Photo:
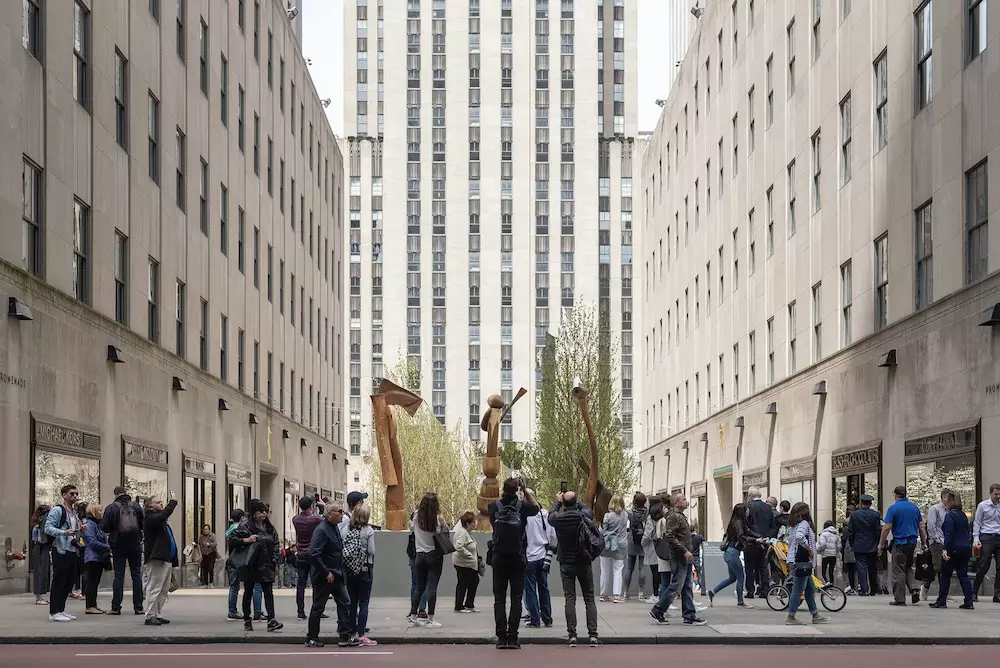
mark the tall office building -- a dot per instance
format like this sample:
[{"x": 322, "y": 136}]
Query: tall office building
[
  {"x": 173, "y": 289},
  {"x": 490, "y": 155}
]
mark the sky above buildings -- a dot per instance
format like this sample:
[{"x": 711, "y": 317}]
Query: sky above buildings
[{"x": 323, "y": 27}]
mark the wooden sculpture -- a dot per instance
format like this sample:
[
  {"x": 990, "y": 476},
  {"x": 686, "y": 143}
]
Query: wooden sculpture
[
  {"x": 489, "y": 490},
  {"x": 390, "y": 457},
  {"x": 597, "y": 497}
]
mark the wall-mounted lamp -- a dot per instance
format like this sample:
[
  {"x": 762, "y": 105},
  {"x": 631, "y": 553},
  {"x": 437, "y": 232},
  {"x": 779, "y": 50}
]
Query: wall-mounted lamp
[
  {"x": 992, "y": 316},
  {"x": 253, "y": 419},
  {"x": 115, "y": 355},
  {"x": 320, "y": 449},
  {"x": 652, "y": 459},
  {"x": 820, "y": 387},
  {"x": 772, "y": 409},
  {"x": 888, "y": 359},
  {"x": 178, "y": 385},
  {"x": 660, "y": 103},
  {"x": 704, "y": 437},
  {"x": 740, "y": 423},
  {"x": 684, "y": 445},
  {"x": 285, "y": 434},
  {"x": 18, "y": 310},
  {"x": 326, "y": 102},
  {"x": 223, "y": 405},
  {"x": 302, "y": 442},
  {"x": 697, "y": 11},
  {"x": 335, "y": 456}
]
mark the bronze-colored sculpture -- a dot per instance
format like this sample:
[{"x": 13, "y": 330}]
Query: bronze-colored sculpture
[
  {"x": 489, "y": 490},
  {"x": 598, "y": 497},
  {"x": 390, "y": 457}
]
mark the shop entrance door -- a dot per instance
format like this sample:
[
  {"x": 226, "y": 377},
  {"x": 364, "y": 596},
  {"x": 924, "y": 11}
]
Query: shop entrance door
[{"x": 847, "y": 491}]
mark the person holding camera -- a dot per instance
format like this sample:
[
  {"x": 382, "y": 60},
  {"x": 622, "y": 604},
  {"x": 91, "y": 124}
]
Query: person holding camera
[
  {"x": 509, "y": 518},
  {"x": 567, "y": 518}
]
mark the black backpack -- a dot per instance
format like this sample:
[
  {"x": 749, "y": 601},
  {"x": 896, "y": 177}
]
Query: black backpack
[
  {"x": 590, "y": 542},
  {"x": 508, "y": 530},
  {"x": 636, "y": 528}
]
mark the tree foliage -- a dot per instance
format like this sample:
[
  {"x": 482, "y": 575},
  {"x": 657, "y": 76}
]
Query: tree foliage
[
  {"x": 583, "y": 347},
  {"x": 435, "y": 459}
]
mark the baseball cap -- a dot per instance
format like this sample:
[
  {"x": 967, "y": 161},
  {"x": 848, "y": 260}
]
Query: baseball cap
[{"x": 355, "y": 497}]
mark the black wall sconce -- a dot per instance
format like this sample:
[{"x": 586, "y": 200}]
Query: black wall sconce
[
  {"x": 253, "y": 419},
  {"x": 302, "y": 442},
  {"x": 284, "y": 434},
  {"x": 319, "y": 449},
  {"x": 820, "y": 387},
  {"x": 115, "y": 355},
  {"x": 740, "y": 423},
  {"x": 992, "y": 316},
  {"x": 888, "y": 359},
  {"x": 704, "y": 437},
  {"x": 772, "y": 409},
  {"x": 178, "y": 385},
  {"x": 18, "y": 310},
  {"x": 223, "y": 405}
]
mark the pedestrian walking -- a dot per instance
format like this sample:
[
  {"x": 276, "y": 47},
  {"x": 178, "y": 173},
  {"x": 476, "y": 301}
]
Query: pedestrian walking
[
  {"x": 906, "y": 523},
  {"x": 41, "y": 554},
  {"x": 209, "y": 546},
  {"x": 956, "y": 551},
  {"x": 863, "y": 534},
  {"x": 935, "y": 539},
  {"x": 537, "y": 598},
  {"x": 738, "y": 535},
  {"x": 762, "y": 519},
  {"x": 635, "y": 556},
  {"x": 466, "y": 561},
  {"x": 614, "y": 528},
  {"x": 97, "y": 556},
  {"x": 159, "y": 551},
  {"x": 427, "y": 523},
  {"x": 359, "y": 566},
  {"x": 986, "y": 541},
  {"x": 122, "y": 521},
  {"x": 657, "y": 583},
  {"x": 233, "y": 575},
  {"x": 568, "y": 517},
  {"x": 509, "y": 518},
  {"x": 326, "y": 553},
  {"x": 255, "y": 542},
  {"x": 828, "y": 547},
  {"x": 305, "y": 524},
  {"x": 62, "y": 524},
  {"x": 800, "y": 559},
  {"x": 847, "y": 559},
  {"x": 675, "y": 532}
]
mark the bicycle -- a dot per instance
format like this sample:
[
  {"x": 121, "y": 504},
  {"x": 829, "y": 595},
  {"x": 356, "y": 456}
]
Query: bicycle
[{"x": 831, "y": 596}]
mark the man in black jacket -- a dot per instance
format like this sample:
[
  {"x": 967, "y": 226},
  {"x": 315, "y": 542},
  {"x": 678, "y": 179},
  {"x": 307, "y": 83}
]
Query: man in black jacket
[
  {"x": 159, "y": 551},
  {"x": 326, "y": 552},
  {"x": 509, "y": 560},
  {"x": 761, "y": 519},
  {"x": 566, "y": 517},
  {"x": 863, "y": 531},
  {"x": 126, "y": 547}
]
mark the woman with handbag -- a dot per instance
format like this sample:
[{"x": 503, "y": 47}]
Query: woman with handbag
[
  {"x": 800, "y": 560},
  {"x": 467, "y": 562},
  {"x": 428, "y": 528},
  {"x": 738, "y": 534},
  {"x": 208, "y": 544},
  {"x": 255, "y": 554},
  {"x": 615, "y": 531},
  {"x": 97, "y": 556}
]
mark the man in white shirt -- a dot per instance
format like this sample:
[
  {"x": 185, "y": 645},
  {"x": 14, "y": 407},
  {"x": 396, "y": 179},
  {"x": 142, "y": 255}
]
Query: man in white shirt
[
  {"x": 986, "y": 537},
  {"x": 935, "y": 538},
  {"x": 538, "y": 601}
]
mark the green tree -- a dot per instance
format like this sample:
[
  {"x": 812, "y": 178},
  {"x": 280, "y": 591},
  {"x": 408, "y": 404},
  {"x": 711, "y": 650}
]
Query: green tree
[
  {"x": 435, "y": 459},
  {"x": 582, "y": 347}
]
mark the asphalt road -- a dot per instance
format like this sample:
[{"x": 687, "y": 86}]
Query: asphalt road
[{"x": 445, "y": 656}]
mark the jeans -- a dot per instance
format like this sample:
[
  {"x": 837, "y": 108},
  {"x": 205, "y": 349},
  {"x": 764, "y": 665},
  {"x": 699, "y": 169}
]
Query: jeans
[
  {"x": 632, "y": 562},
  {"x": 583, "y": 574},
  {"x": 465, "y": 590},
  {"x": 903, "y": 581},
  {"x": 428, "y": 568},
  {"x": 867, "y": 573},
  {"x": 63, "y": 573},
  {"x": 302, "y": 566},
  {"x": 508, "y": 572},
  {"x": 537, "y": 598},
  {"x": 95, "y": 569},
  {"x": 250, "y": 587},
  {"x": 958, "y": 562},
  {"x": 132, "y": 555},
  {"x": 43, "y": 570},
  {"x": 802, "y": 584},
  {"x": 611, "y": 575},
  {"x": 322, "y": 592},
  {"x": 234, "y": 592},
  {"x": 681, "y": 574},
  {"x": 422, "y": 606},
  {"x": 359, "y": 588},
  {"x": 736, "y": 574},
  {"x": 990, "y": 553}
]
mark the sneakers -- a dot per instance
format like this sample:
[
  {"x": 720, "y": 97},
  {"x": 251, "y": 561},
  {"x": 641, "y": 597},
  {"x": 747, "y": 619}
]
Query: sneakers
[
  {"x": 432, "y": 624},
  {"x": 697, "y": 621},
  {"x": 463, "y": 611},
  {"x": 258, "y": 616},
  {"x": 59, "y": 617},
  {"x": 711, "y": 599},
  {"x": 820, "y": 619},
  {"x": 937, "y": 606},
  {"x": 416, "y": 621},
  {"x": 532, "y": 625},
  {"x": 233, "y": 617},
  {"x": 791, "y": 621},
  {"x": 71, "y": 617},
  {"x": 572, "y": 640},
  {"x": 302, "y": 617},
  {"x": 744, "y": 606},
  {"x": 349, "y": 642},
  {"x": 915, "y": 597},
  {"x": 313, "y": 643},
  {"x": 513, "y": 643},
  {"x": 501, "y": 643},
  {"x": 247, "y": 625},
  {"x": 367, "y": 642},
  {"x": 595, "y": 642},
  {"x": 274, "y": 625},
  {"x": 966, "y": 607},
  {"x": 923, "y": 592},
  {"x": 658, "y": 618},
  {"x": 153, "y": 621}
]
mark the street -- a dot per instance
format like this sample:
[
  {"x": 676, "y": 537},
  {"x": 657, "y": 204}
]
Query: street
[{"x": 244, "y": 656}]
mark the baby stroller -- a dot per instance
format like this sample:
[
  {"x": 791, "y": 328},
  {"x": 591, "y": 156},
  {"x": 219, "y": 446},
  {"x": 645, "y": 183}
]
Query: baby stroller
[{"x": 831, "y": 596}]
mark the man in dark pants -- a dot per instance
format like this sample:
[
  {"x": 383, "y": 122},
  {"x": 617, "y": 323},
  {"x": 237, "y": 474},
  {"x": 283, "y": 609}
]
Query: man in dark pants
[
  {"x": 326, "y": 553},
  {"x": 509, "y": 516},
  {"x": 986, "y": 536},
  {"x": 305, "y": 524},
  {"x": 63, "y": 525},
  {"x": 863, "y": 531},
  {"x": 761, "y": 519},
  {"x": 566, "y": 517},
  {"x": 907, "y": 525},
  {"x": 125, "y": 534}
]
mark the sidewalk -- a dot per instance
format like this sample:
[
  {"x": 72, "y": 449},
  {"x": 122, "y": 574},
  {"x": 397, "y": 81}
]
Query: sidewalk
[{"x": 198, "y": 616}]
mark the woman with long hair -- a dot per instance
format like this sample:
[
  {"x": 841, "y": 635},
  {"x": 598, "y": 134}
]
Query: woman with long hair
[
  {"x": 427, "y": 522},
  {"x": 738, "y": 535},
  {"x": 956, "y": 552},
  {"x": 41, "y": 546},
  {"x": 96, "y": 554},
  {"x": 800, "y": 559},
  {"x": 262, "y": 567},
  {"x": 615, "y": 531},
  {"x": 359, "y": 585},
  {"x": 466, "y": 562}
]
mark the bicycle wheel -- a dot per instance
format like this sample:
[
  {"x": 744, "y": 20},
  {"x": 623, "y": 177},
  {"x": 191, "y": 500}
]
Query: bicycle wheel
[
  {"x": 833, "y": 598},
  {"x": 777, "y": 598}
]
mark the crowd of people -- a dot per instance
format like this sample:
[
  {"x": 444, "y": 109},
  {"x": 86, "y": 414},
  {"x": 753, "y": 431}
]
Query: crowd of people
[{"x": 334, "y": 554}]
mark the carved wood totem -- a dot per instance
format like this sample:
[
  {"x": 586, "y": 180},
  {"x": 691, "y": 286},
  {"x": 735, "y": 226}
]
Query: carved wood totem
[
  {"x": 390, "y": 457},
  {"x": 598, "y": 497},
  {"x": 489, "y": 490}
]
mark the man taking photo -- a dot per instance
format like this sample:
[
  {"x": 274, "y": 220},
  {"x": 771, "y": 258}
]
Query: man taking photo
[{"x": 509, "y": 517}]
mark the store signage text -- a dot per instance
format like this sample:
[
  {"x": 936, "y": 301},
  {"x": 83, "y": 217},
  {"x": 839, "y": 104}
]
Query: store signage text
[
  {"x": 699, "y": 489},
  {"x": 990, "y": 389},
  {"x": 238, "y": 475},
  {"x": 7, "y": 379},
  {"x": 55, "y": 435},
  {"x": 144, "y": 454},
  {"x": 198, "y": 466},
  {"x": 932, "y": 445},
  {"x": 755, "y": 479},
  {"x": 801, "y": 471},
  {"x": 869, "y": 458}
]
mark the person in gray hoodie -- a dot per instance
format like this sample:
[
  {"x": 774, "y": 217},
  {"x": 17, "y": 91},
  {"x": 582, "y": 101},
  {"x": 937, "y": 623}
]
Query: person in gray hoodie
[{"x": 637, "y": 515}]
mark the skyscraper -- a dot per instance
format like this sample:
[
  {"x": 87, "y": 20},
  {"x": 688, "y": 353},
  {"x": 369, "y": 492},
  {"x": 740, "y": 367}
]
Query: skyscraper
[{"x": 470, "y": 126}]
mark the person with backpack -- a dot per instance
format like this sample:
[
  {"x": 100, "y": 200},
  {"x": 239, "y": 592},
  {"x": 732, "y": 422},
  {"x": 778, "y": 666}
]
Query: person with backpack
[
  {"x": 359, "y": 564},
  {"x": 62, "y": 524},
  {"x": 570, "y": 520},
  {"x": 637, "y": 515},
  {"x": 122, "y": 521},
  {"x": 41, "y": 546},
  {"x": 509, "y": 519},
  {"x": 676, "y": 553}
]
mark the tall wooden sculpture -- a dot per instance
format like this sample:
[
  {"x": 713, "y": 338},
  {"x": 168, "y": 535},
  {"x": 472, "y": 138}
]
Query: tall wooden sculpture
[
  {"x": 390, "y": 457},
  {"x": 489, "y": 490},
  {"x": 598, "y": 497}
]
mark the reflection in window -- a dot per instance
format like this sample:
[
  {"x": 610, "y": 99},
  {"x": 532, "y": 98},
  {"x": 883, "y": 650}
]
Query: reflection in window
[
  {"x": 53, "y": 470},
  {"x": 925, "y": 481},
  {"x": 199, "y": 506},
  {"x": 803, "y": 490},
  {"x": 142, "y": 483}
]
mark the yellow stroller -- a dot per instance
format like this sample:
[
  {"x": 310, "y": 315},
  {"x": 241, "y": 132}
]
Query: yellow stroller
[{"x": 831, "y": 596}]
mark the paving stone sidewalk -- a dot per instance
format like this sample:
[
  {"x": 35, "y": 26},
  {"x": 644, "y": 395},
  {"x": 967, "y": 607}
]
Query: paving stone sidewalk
[{"x": 199, "y": 616}]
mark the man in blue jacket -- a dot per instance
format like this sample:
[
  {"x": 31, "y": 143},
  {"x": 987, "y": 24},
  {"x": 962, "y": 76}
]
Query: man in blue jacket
[
  {"x": 863, "y": 534},
  {"x": 122, "y": 522},
  {"x": 326, "y": 552}
]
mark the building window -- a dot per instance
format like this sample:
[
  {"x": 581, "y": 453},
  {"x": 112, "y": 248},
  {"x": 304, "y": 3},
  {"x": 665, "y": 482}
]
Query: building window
[
  {"x": 817, "y": 318},
  {"x": 181, "y": 184},
  {"x": 270, "y": 166},
  {"x": 203, "y": 57},
  {"x": 256, "y": 30},
  {"x": 881, "y": 282},
  {"x": 978, "y": 34},
  {"x": 256, "y": 369},
  {"x": 925, "y": 42},
  {"x": 256, "y": 144},
  {"x": 203, "y": 197},
  {"x": 181, "y": 37},
  {"x": 256, "y": 253},
  {"x": 770, "y": 222},
  {"x": 31, "y": 217},
  {"x": 224, "y": 91},
  {"x": 846, "y": 134},
  {"x": 154, "y": 9},
  {"x": 924, "y": 246},
  {"x": 81, "y": 53},
  {"x": 270, "y": 60},
  {"x": 241, "y": 222},
  {"x": 817, "y": 170},
  {"x": 121, "y": 278},
  {"x": 770, "y": 351},
  {"x": 81, "y": 251},
  {"x": 153, "y": 130},
  {"x": 790, "y": 46},
  {"x": 976, "y": 224},
  {"x": 31, "y": 29},
  {"x": 792, "y": 337},
  {"x": 203, "y": 336},
  {"x": 224, "y": 220},
  {"x": 152, "y": 302},
  {"x": 846, "y": 300},
  {"x": 881, "y": 102},
  {"x": 180, "y": 316},
  {"x": 790, "y": 173},
  {"x": 241, "y": 104},
  {"x": 240, "y": 351},
  {"x": 121, "y": 100},
  {"x": 769, "y": 74},
  {"x": 223, "y": 354}
]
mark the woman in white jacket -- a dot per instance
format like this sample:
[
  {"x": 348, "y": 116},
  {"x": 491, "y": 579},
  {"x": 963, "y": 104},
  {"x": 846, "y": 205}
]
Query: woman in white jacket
[
  {"x": 649, "y": 549},
  {"x": 827, "y": 548},
  {"x": 466, "y": 562}
]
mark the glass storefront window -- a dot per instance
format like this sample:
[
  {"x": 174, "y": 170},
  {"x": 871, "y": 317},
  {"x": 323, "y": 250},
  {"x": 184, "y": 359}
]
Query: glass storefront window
[
  {"x": 239, "y": 497},
  {"x": 55, "y": 469},
  {"x": 142, "y": 483},
  {"x": 924, "y": 481},
  {"x": 847, "y": 491},
  {"x": 199, "y": 506},
  {"x": 803, "y": 490},
  {"x": 291, "y": 509}
]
